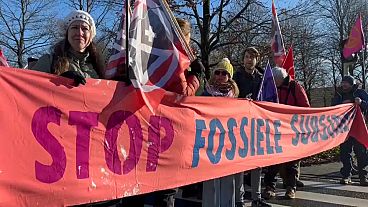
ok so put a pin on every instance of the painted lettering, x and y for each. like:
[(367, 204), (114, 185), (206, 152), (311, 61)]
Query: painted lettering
[(83, 121), (41, 118)]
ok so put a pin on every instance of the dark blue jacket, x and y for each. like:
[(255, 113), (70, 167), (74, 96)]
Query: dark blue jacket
[(338, 97)]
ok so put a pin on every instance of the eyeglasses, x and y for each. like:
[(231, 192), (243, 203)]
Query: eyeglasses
[(221, 72)]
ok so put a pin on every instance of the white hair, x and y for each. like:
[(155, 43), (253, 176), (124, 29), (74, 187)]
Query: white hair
[(279, 73)]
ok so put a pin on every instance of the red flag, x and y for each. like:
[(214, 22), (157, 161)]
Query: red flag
[(356, 39), (277, 44), (3, 61), (116, 65), (288, 63)]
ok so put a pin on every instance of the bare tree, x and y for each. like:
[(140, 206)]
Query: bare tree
[(25, 29), (303, 32), (225, 28), (339, 17), (252, 28), (210, 20)]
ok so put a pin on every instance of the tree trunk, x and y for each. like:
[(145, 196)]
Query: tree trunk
[(205, 44)]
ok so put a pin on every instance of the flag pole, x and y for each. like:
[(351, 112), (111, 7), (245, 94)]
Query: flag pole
[(127, 20), (363, 67), (178, 31), (363, 53)]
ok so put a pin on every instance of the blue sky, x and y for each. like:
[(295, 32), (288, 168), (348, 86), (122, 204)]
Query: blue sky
[(281, 3)]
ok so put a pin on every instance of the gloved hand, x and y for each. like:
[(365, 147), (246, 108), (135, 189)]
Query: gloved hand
[(197, 68), (77, 77), (358, 101)]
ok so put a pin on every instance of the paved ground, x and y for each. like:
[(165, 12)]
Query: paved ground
[(322, 189)]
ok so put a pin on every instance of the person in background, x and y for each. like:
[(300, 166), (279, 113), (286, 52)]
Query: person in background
[(220, 192), (76, 56), (31, 61), (349, 92), (290, 92), (249, 79)]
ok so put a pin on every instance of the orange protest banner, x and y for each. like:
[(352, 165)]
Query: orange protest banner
[(64, 145)]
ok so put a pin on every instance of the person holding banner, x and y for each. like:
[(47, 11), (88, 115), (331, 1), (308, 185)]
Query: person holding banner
[(187, 84), (220, 192), (76, 56), (349, 92), (189, 81), (3, 61), (249, 79), (221, 82), (290, 92)]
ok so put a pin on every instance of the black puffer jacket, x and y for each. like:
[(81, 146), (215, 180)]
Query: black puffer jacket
[(248, 84)]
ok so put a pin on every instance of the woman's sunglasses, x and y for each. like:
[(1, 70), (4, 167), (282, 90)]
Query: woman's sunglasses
[(221, 72)]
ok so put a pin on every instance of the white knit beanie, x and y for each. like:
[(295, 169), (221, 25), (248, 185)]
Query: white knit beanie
[(79, 15)]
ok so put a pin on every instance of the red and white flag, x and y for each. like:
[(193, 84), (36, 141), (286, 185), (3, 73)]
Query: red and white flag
[(3, 61), (157, 53), (288, 64), (116, 65), (277, 44)]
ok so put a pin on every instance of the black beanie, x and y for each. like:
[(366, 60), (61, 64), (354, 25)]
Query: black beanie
[(349, 79)]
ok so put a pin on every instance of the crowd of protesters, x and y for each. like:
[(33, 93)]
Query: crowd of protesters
[(77, 57)]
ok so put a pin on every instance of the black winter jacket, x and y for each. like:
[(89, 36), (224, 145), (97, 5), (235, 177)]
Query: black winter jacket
[(338, 97), (248, 84)]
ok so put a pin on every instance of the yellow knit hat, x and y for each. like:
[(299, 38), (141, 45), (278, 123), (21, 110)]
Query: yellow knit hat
[(225, 64)]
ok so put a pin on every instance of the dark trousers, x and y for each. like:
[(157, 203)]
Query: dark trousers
[(346, 158), (291, 174), (192, 190), (284, 175), (164, 198), (136, 201)]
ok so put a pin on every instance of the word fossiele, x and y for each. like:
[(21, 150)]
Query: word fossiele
[(307, 129)]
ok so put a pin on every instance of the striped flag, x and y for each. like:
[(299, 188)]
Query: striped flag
[(3, 61), (277, 44), (356, 39), (157, 52), (116, 66)]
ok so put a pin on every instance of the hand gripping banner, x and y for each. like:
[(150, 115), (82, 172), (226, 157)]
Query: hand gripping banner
[(64, 145)]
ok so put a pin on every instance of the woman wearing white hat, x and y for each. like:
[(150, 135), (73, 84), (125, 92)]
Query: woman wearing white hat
[(76, 56)]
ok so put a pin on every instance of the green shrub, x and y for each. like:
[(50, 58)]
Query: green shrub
[(328, 156)]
